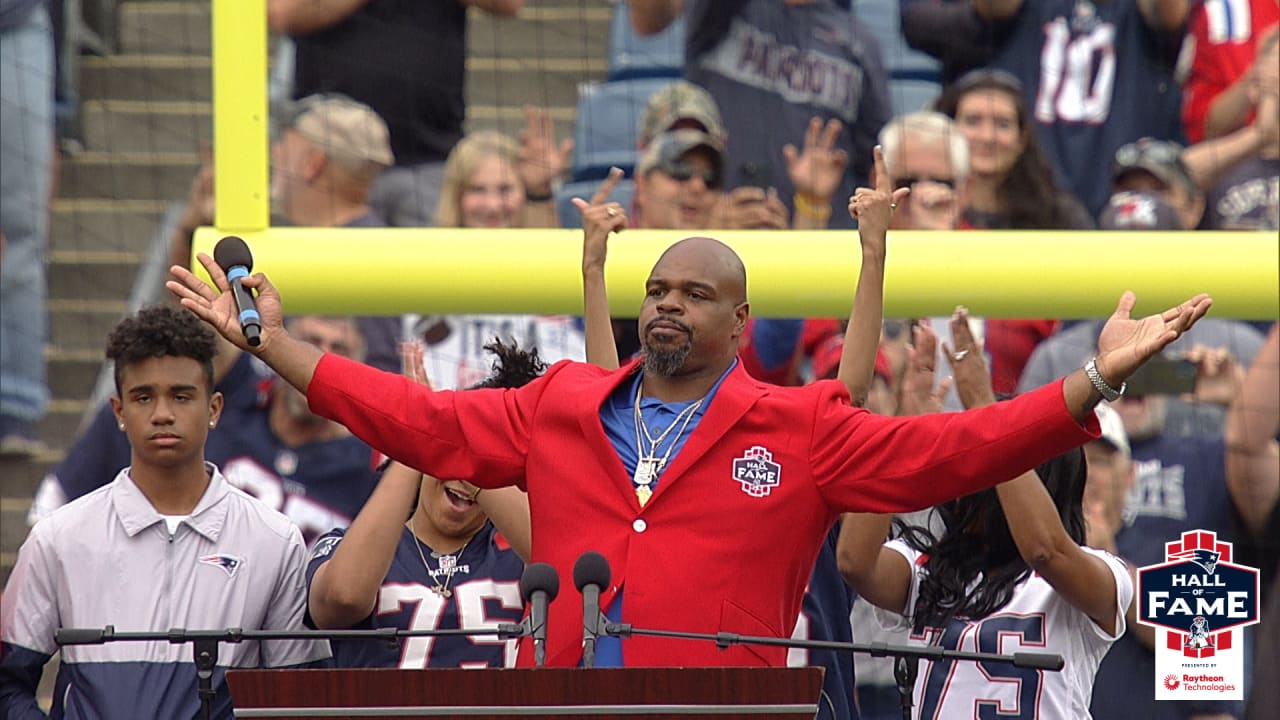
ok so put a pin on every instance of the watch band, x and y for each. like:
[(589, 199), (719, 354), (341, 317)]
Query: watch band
[(1107, 392)]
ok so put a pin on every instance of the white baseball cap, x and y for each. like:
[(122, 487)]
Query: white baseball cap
[(1112, 428)]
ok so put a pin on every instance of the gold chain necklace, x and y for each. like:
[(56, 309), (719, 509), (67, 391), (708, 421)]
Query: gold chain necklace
[(447, 564), (648, 465)]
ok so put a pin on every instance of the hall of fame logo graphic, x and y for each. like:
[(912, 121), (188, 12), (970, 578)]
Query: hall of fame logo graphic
[(1199, 602), (757, 472)]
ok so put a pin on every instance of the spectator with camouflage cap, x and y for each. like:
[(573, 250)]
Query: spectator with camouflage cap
[(682, 105), (678, 179), (677, 106)]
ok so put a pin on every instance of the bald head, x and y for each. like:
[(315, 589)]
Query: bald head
[(695, 309), (722, 265)]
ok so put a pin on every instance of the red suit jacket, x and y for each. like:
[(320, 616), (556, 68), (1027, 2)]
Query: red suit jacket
[(730, 536)]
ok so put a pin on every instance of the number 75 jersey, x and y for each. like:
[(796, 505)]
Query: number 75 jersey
[(1036, 619)]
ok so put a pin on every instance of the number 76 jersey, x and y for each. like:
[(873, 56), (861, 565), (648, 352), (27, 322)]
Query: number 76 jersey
[(1036, 619)]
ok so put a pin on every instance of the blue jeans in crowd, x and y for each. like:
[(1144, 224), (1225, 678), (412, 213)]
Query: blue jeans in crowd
[(26, 148)]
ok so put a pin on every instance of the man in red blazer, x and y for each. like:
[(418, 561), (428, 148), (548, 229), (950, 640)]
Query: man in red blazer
[(729, 534)]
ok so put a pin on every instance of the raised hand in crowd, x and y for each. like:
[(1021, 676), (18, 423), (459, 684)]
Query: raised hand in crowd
[(599, 218), (1265, 71), (968, 364), (541, 159), (918, 394), (816, 172), (1218, 375), (1267, 124), (873, 209), (749, 208), (1252, 425)]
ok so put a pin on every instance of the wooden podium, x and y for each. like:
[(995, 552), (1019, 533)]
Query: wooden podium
[(790, 693)]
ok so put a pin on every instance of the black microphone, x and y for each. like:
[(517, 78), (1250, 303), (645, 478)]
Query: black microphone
[(1038, 661), (233, 256), (539, 585), (590, 574), (84, 636)]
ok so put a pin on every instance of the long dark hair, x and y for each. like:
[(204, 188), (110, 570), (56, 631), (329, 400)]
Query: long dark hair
[(1029, 192), (976, 543)]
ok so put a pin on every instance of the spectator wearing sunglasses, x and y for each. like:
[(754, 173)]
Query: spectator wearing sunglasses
[(925, 151), (678, 180)]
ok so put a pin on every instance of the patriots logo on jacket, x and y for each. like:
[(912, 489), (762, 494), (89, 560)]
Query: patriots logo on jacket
[(1206, 559), (229, 563)]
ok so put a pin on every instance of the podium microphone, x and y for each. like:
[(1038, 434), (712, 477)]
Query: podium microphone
[(84, 636), (539, 585), (590, 574), (233, 256)]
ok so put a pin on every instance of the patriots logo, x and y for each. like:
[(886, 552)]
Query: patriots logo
[(1206, 559), (1199, 636), (229, 563)]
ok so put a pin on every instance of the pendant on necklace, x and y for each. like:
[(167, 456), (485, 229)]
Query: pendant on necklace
[(443, 592), (646, 471)]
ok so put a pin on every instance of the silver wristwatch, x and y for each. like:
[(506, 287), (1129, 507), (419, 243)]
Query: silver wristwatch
[(1107, 392)]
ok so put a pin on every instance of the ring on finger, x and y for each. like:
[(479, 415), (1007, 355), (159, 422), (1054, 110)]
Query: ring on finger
[(959, 355), (611, 212)]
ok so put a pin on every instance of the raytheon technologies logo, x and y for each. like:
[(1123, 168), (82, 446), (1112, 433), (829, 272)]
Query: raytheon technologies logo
[(1199, 600)]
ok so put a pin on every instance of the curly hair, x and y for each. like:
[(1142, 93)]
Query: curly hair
[(973, 569), (1029, 191), (512, 366), (161, 331)]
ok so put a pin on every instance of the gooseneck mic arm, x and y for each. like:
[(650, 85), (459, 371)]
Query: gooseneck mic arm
[(539, 585), (1034, 661), (590, 575), (233, 256)]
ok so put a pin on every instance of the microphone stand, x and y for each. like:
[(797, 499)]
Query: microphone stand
[(205, 643), (906, 657)]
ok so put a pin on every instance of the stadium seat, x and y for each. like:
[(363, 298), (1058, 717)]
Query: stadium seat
[(914, 77), (644, 56), (569, 216), (910, 95), (607, 123)]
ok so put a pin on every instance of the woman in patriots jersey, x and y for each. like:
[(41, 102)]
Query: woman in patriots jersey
[(446, 567), (1008, 574)]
